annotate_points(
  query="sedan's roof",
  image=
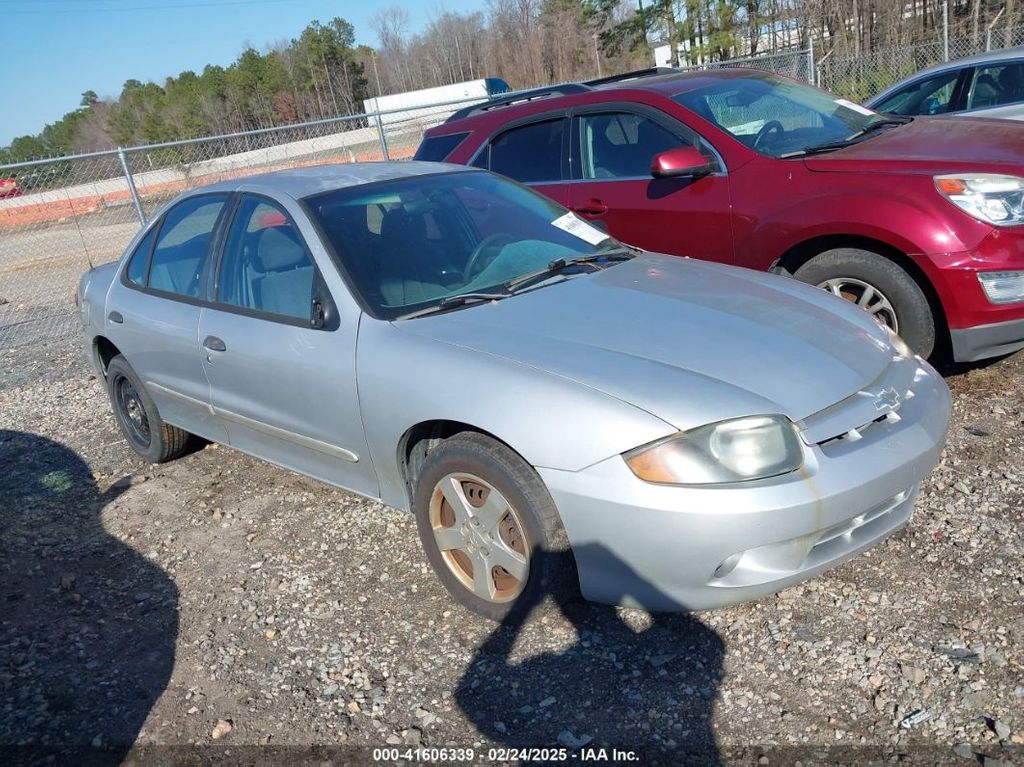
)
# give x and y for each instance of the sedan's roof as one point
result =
(1003, 54)
(303, 182)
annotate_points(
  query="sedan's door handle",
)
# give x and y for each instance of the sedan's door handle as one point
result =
(214, 344)
(115, 317)
(592, 208)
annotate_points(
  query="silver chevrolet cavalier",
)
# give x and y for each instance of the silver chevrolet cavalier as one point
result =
(448, 342)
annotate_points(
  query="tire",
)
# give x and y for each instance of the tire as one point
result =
(138, 418)
(479, 466)
(852, 270)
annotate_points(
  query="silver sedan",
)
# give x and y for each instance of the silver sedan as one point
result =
(449, 342)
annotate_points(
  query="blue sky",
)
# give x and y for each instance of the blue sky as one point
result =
(53, 50)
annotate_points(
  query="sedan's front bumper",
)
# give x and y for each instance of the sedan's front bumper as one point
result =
(689, 548)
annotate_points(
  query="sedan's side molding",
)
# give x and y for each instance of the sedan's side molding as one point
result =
(272, 431)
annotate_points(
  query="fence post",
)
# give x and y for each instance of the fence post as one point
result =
(383, 138)
(810, 61)
(131, 186)
(945, 30)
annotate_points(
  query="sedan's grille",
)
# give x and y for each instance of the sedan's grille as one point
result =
(853, 418)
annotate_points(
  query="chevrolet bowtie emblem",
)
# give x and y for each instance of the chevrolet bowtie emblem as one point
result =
(887, 399)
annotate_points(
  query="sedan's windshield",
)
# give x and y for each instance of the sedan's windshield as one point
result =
(424, 241)
(779, 117)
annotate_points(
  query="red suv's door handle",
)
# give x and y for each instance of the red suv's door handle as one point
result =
(592, 208)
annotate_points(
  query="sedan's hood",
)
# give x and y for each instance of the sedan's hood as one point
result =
(687, 341)
(933, 145)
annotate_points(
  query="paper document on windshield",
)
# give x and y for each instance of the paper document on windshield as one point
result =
(576, 226)
(855, 107)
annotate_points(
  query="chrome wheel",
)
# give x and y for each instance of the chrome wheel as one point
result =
(480, 537)
(132, 411)
(867, 297)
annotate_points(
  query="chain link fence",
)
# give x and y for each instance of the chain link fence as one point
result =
(858, 78)
(798, 64)
(59, 216)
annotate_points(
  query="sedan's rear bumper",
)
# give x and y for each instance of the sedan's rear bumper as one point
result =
(687, 548)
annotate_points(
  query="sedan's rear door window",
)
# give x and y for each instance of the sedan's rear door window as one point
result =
(183, 245)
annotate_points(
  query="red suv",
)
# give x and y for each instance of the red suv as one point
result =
(918, 220)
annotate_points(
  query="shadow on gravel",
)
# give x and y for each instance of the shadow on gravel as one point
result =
(87, 624)
(650, 690)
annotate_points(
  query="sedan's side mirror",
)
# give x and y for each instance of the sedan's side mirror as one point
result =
(680, 161)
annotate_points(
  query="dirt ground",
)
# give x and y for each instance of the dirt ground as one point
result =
(219, 600)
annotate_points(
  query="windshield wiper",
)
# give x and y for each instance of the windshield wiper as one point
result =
(453, 302)
(560, 265)
(853, 138)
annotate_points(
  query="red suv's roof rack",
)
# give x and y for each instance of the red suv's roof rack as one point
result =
(565, 89)
(634, 75)
(519, 97)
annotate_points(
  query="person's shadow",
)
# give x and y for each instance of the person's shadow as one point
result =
(649, 689)
(87, 624)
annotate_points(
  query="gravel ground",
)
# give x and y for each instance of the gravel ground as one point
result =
(220, 600)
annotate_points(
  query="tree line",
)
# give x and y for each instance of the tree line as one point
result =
(323, 73)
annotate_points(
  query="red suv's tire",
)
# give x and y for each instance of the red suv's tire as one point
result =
(881, 286)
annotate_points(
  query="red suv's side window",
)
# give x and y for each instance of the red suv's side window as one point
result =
(531, 153)
(621, 144)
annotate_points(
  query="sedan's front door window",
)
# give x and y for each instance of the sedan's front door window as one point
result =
(996, 85)
(180, 254)
(621, 144)
(266, 265)
(530, 154)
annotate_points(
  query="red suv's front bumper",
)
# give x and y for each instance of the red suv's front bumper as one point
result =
(979, 328)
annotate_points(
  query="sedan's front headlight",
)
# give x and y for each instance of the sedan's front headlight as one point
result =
(989, 197)
(740, 449)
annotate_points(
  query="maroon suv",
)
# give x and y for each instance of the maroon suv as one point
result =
(918, 220)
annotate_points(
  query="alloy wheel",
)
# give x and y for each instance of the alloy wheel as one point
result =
(866, 296)
(480, 537)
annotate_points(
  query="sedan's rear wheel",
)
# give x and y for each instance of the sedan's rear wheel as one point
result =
(140, 421)
(879, 286)
(489, 527)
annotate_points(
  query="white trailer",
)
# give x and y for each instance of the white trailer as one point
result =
(412, 106)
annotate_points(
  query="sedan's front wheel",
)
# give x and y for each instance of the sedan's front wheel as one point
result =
(489, 527)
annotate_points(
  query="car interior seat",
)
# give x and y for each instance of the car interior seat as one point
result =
(986, 92)
(1011, 84)
(409, 265)
(284, 281)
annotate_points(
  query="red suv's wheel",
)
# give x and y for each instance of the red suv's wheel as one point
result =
(878, 285)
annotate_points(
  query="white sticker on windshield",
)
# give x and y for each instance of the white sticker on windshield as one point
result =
(855, 107)
(575, 225)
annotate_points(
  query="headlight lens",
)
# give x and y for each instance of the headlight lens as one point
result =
(988, 197)
(1002, 287)
(728, 451)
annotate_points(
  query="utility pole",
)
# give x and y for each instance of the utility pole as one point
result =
(376, 74)
(597, 56)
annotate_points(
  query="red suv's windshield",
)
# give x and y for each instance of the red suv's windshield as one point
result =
(776, 116)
